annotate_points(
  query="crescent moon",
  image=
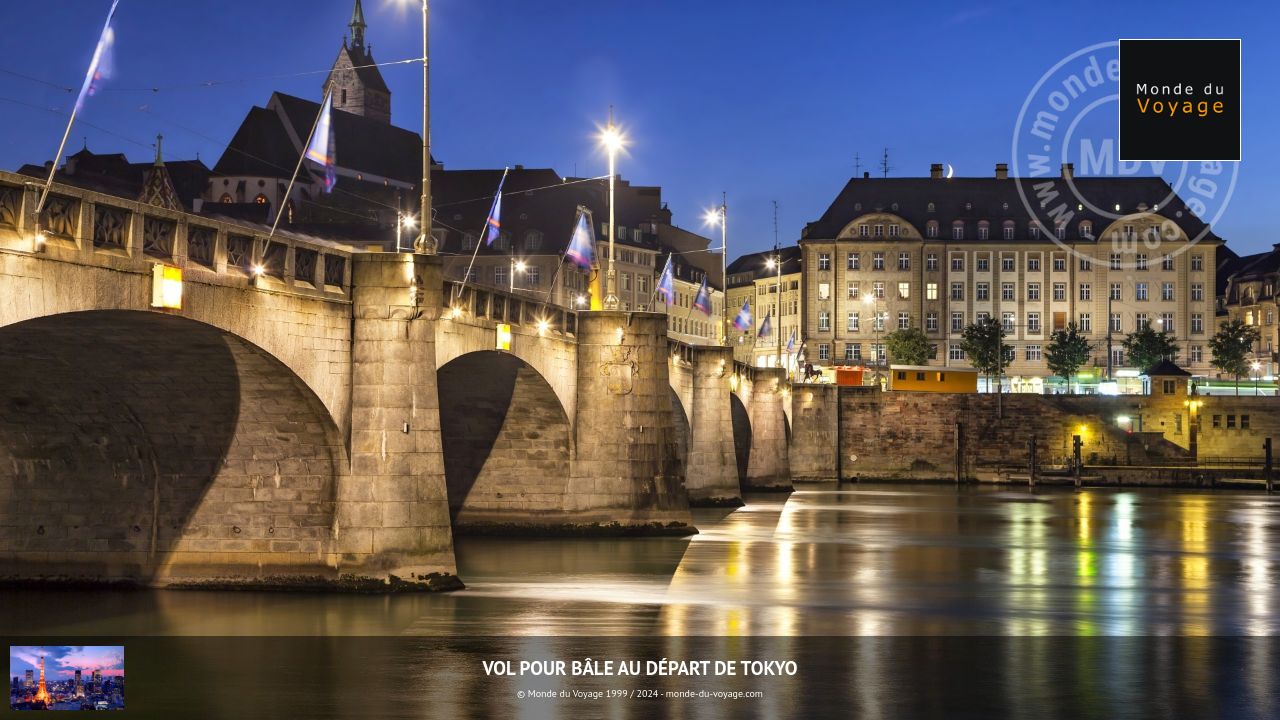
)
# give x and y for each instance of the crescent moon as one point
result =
(950, 171)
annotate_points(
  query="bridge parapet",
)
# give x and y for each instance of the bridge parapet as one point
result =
(92, 228)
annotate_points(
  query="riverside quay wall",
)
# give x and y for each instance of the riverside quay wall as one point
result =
(865, 434)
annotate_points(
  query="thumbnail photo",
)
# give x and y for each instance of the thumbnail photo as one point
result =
(66, 677)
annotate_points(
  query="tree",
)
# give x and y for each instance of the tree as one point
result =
(1147, 347)
(983, 344)
(1066, 352)
(907, 347)
(1231, 346)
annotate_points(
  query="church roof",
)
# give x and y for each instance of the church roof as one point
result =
(366, 68)
(263, 145)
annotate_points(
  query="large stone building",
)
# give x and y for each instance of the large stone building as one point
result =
(941, 253)
(1249, 294)
(754, 279)
(685, 322)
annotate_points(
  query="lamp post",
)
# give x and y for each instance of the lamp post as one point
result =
(720, 216)
(426, 136)
(775, 263)
(611, 138)
(870, 299)
(406, 222)
(1257, 368)
(517, 266)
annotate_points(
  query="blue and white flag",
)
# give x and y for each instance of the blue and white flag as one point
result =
(320, 149)
(582, 247)
(791, 341)
(702, 301)
(493, 225)
(743, 321)
(766, 327)
(666, 284)
(100, 65)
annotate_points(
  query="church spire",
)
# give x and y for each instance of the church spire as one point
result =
(357, 26)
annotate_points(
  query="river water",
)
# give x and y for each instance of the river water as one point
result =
(891, 599)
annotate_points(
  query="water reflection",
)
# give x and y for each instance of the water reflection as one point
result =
(829, 560)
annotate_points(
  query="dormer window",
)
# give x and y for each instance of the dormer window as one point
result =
(957, 230)
(984, 230)
(931, 207)
(1007, 230)
(931, 227)
(1086, 229)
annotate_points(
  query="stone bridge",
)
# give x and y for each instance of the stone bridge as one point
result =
(314, 414)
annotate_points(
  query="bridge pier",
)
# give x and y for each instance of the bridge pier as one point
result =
(625, 473)
(768, 467)
(711, 473)
(391, 522)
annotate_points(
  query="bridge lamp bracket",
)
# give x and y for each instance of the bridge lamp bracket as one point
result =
(166, 287)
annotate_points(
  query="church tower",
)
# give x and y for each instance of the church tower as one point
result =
(358, 87)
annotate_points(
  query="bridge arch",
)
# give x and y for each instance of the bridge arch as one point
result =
(507, 440)
(150, 447)
(741, 436)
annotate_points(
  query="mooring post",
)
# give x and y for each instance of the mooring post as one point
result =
(1266, 466)
(1076, 445)
(959, 445)
(1031, 462)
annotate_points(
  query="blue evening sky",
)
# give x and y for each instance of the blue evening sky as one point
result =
(763, 100)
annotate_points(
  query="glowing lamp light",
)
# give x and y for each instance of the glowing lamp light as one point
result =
(543, 326)
(612, 138)
(504, 337)
(580, 301)
(40, 239)
(166, 287)
(733, 382)
(258, 270)
(409, 222)
(520, 266)
(1123, 419)
(712, 218)
(1082, 430)
(771, 263)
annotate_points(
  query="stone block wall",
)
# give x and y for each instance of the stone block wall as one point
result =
(767, 468)
(813, 450)
(711, 472)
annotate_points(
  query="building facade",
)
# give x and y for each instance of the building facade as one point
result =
(940, 253)
(754, 279)
(685, 322)
(1249, 295)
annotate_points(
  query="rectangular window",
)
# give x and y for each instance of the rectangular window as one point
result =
(1116, 290)
(852, 322)
(1197, 323)
(983, 318)
(1142, 261)
(1115, 323)
(984, 264)
(500, 276)
(864, 231)
(1197, 263)
(824, 351)
(824, 261)
(955, 352)
(957, 322)
(853, 288)
(824, 291)
(848, 351)
(534, 274)
(893, 230)
(1008, 232)
(1059, 264)
(1033, 264)
(931, 321)
(931, 291)
(1008, 320)
(983, 232)
(1086, 322)
(1140, 291)
(877, 261)
(1166, 323)
(1086, 292)
(1197, 354)
(1166, 262)
(904, 260)
(1231, 421)
(1117, 357)
(957, 291)
(878, 321)
(1033, 291)
(1006, 291)
(1217, 421)
(931, 262)
(1033, 322)
(1166, 291)
(853, 261)
(1141, 321)
(1059, 291)
(853, 351)
(983, 291)
(1006, 264)
(957, 232)
(824, 320)
(904, 291)
(1197, 292)
(904, 320)
(877, 288)
(1086, 264)
(1244, 422)
(1033, 353)
(642, 284)
(879, 231)
(957, 263)
(1115, 261)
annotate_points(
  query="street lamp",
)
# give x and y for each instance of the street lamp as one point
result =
(517, 266)
(1257, 367)
(407, 222)
(613, 140)
(775, 263)
(870, 299)
(720, 216)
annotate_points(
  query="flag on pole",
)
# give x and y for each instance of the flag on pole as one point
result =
(493, 225)
(791, 341)
(743, 321)
(702, 300)
(100, 65)
(666, 284)
(320, 149)
(766, 327)
(582, 247)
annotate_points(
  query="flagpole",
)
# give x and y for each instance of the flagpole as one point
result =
(301, 156)
(467, 275)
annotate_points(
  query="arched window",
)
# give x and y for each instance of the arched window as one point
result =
(1086, 229)
(261, 199)
(931, 207)
(957, 230)
(931, 227)
(226, 198)
(1007, 229)
(984, 230)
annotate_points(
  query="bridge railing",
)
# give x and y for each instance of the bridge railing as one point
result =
(93, 228)
(487, 303)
